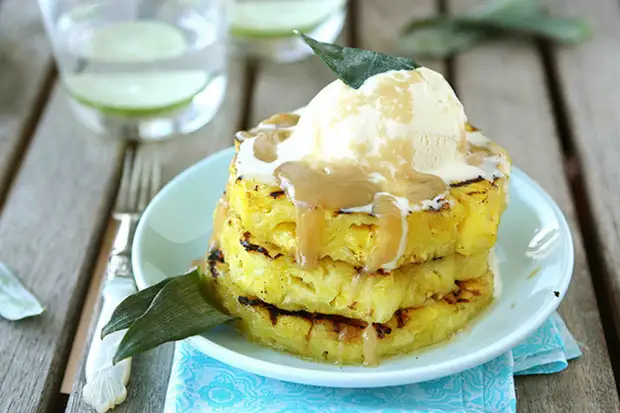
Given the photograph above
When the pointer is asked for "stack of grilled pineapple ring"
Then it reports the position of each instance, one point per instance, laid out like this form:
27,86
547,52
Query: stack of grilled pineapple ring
337,312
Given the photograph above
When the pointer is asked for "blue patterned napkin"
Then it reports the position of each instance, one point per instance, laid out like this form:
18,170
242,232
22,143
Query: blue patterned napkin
201,384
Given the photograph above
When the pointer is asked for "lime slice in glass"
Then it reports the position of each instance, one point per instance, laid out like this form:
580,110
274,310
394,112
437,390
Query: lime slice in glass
133,41
137,94
273,18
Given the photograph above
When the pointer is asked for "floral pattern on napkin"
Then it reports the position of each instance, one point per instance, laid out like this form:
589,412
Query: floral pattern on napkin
201,384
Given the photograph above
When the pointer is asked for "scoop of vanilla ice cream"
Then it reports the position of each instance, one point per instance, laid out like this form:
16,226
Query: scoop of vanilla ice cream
389,109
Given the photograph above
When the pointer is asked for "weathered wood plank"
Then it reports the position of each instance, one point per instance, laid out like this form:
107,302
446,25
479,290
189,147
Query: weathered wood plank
486,80
503,88
589,79
24,70
50,230
150,372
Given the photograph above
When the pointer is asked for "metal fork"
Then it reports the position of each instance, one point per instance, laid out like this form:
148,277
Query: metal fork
106,383
140,182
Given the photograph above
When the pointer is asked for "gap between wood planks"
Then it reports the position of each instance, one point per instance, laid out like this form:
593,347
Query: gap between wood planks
250,75
27,131
573,168
352,23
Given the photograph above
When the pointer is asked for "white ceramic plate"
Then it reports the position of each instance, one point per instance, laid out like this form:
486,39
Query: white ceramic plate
533,236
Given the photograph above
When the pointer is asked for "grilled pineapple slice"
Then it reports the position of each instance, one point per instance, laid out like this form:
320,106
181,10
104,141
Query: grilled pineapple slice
468,225
338,339
265,271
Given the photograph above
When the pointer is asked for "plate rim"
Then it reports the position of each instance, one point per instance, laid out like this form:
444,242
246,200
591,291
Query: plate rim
364,379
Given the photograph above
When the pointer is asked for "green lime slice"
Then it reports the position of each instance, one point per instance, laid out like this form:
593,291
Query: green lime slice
273,18
133,42
137,94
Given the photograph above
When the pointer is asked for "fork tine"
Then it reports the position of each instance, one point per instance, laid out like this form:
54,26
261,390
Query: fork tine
123,191
135,180
155,175
145,178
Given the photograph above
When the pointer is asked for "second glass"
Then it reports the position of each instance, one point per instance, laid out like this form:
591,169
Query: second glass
264,28
145,69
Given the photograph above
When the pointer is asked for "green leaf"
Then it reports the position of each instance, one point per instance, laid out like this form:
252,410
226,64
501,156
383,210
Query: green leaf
16,302
178,311
131,308
444,36
439,37
353,66
569,31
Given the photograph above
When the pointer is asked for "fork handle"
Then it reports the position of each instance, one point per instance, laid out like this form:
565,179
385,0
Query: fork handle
106,383
123,239
119,263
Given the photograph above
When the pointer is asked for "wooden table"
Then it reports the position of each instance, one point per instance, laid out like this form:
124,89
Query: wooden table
555,109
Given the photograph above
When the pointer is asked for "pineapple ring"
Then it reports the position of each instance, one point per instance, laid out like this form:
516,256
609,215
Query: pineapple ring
338,339
468,225
266,272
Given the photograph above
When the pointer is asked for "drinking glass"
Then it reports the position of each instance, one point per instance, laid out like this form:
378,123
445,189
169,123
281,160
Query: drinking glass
140,69
264,28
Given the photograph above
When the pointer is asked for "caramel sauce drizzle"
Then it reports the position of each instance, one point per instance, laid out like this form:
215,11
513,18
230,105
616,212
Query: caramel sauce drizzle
310,222
369,349
266,144
389,232
477,154
269,133
315,187
342,337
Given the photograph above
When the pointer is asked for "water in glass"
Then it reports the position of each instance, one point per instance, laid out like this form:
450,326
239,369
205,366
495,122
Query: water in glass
140,69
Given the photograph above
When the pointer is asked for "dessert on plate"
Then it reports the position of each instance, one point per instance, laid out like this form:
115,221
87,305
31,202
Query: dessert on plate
361,226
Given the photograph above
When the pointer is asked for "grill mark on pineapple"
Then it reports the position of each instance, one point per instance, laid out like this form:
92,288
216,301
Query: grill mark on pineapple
249,247
464,294
352,327
276,194
382,330
216,255
249,301
343,212
400,321
309,333
213,270
465,183
273,315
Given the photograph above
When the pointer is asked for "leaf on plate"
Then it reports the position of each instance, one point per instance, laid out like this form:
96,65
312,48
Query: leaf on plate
179,310
131,308
444,36
16,302
353,66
